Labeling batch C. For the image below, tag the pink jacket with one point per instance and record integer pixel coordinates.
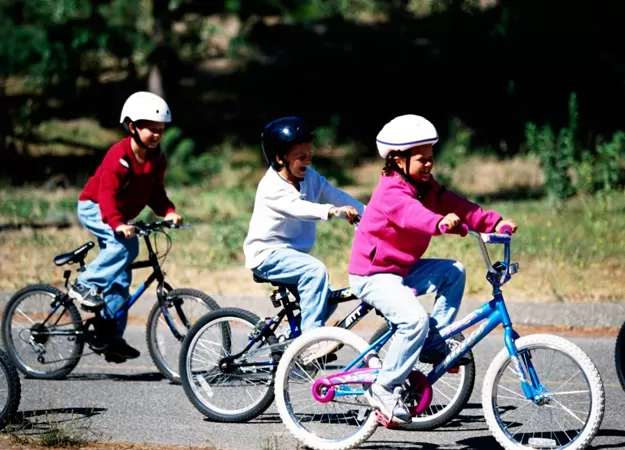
(397, 225)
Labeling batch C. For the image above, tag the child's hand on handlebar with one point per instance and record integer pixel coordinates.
(449, 222)
(506, 226)
(174, 217)
(127, 231)
(344, 212)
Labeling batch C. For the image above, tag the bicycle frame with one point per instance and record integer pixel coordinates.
(335, 297)
(156, 275)
(491, 314)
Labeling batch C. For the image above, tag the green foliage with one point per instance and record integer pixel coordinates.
(184, 167)
(52, 42)
(453, 151)
(609, 164)
(598, 171)
(556, 156)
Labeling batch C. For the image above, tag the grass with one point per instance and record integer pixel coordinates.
(565, 250)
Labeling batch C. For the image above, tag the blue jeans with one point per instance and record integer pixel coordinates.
(310, 275)
(108, 271)
(394, 297)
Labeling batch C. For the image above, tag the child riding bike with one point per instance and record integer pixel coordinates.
(130, 177)
(290, 198)
(386, 270)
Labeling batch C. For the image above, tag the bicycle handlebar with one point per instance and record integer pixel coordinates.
(503, 237)
(145, 228)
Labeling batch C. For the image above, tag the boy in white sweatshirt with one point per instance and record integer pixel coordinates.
(290, 199)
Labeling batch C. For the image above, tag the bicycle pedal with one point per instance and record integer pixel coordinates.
(382, 420)
(454, 369)
(90, 309)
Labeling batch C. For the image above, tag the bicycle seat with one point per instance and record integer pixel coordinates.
(273, 283)
(74, 256)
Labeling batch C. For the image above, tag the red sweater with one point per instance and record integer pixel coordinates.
(123, 187)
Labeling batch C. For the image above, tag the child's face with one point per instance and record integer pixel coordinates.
(150, 132)
(298, 158)
(421, 163)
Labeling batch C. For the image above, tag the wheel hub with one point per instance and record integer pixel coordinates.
(38, 333)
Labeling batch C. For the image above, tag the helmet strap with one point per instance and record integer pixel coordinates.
(405, 174)
(136, 137)
(285, 165)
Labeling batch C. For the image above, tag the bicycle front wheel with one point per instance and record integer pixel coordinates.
(43, 337)
(10, 389)
(568, 404)
(225, 369)
(619, 356)
(184, 307)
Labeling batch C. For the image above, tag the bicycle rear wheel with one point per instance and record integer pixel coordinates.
(33, 346)
(451, 392)
(10, 390)
(558, 416)
(619, 356)
(185, 307)
(226, 371)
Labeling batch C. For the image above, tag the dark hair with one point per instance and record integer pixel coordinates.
(390, 165)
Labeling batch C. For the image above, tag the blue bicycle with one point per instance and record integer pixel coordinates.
(540, 391)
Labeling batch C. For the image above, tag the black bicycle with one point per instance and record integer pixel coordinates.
(10, 390)
(229, 357)
(40, 320)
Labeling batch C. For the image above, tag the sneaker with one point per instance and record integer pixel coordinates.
(436, 355)
(325, 350)
(389, 403)
(119, 349)
(114, 358)
(86, 296)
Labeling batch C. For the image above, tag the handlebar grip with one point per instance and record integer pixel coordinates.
(506, 229)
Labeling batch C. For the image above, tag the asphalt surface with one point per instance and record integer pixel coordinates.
(132, 402)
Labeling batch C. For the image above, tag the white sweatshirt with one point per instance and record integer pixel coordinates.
(284, 217)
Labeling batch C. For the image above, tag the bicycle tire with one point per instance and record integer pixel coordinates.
(187, 380)
(555, 343)
(449, 412)
(76, 321)
(14, 390)
(170, 371)
(310, 440)
(619, 356)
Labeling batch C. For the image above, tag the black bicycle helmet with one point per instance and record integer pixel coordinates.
(281, 134)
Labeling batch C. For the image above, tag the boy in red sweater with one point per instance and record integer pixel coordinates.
(130, 177)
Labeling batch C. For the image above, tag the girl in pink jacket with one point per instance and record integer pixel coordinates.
(406, 209)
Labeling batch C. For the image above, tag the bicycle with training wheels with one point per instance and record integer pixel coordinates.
(619, 356)
(40, 319)
(10, 390)
(321, 402)
(229, 357)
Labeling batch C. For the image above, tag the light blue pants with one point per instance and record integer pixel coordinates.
(310, 275)
(394, 297)
(108, 271)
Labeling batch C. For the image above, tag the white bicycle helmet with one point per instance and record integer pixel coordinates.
(404, 132)
(144, 105)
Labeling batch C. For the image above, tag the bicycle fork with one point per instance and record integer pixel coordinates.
(524, 369)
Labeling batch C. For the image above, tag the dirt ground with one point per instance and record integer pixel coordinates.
(9, 443)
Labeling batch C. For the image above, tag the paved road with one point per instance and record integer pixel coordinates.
(132, 403)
